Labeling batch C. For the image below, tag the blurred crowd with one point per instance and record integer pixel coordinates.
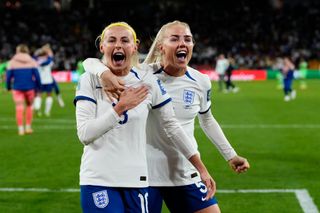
(254, 32)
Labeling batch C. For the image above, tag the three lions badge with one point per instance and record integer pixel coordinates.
(101, 199)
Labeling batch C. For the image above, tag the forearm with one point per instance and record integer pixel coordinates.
(180, 140)
(94, 66)
(175, 132)
(196, 161)
(214, 132)
(89, 128)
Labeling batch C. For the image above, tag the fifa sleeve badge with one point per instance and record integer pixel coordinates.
(209, 95)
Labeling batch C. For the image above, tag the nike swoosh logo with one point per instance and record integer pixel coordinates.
(203, 199)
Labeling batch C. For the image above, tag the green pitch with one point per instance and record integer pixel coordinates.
(280, 140)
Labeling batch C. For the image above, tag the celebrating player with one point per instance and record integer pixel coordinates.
(171, 176)
(44, 57)
(113, 173)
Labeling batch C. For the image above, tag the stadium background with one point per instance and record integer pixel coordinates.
(38, 173)
(255, 32)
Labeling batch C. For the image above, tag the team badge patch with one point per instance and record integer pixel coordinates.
(188, 96)
(101, 199)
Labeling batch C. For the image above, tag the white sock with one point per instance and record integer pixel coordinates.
(49, 102)
(21, 128)
(60, 100)
(37, 103)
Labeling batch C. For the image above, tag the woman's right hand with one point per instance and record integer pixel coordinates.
(112, 85)
(130, 98)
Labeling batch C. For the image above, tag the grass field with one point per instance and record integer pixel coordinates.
(280, 140)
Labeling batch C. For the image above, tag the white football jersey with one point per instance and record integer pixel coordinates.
(190, 95)
(221, 66)
(167, 166)
(45, 67)
(118, 157)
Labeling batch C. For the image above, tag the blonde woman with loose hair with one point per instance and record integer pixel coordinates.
(171, 177)
(114, 173)
(154, 55)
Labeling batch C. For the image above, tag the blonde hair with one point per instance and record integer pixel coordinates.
(22, 48)
(154, 55)
(135, 57)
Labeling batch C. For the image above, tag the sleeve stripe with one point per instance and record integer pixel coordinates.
(162, 104)
(77, 98)
(189, 76)
(159, 71)
(135, 73)
(205, 111)
(46, 62)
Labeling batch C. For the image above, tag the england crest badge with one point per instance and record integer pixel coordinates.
(101, 199)
(188, 96)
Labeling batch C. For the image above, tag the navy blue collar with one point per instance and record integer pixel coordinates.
(162, 70)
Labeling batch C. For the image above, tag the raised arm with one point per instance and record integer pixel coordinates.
(47, 49)
(112, 85)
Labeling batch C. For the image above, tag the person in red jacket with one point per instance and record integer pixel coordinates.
(23, 73)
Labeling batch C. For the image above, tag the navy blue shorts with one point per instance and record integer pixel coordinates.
(178, 199)
(96, 199)
(56, 87)
(47, 88)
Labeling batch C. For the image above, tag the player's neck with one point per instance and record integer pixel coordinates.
(174, 71)
(121, 72)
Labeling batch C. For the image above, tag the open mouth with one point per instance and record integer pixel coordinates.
(181, 55)
(118, 58)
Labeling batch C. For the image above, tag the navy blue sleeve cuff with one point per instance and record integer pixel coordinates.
(205, 111)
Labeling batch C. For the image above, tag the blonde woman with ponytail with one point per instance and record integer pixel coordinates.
(171, 177)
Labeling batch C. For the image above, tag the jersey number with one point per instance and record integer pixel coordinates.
(125, 116)
(144, 202)
(202, 188)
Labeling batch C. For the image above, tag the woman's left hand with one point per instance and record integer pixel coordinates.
(210, 184)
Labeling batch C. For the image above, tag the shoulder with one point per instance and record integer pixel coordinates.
(202, 79)
(148, 78)
(145, 72)
(89, 79)
(151, 68)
